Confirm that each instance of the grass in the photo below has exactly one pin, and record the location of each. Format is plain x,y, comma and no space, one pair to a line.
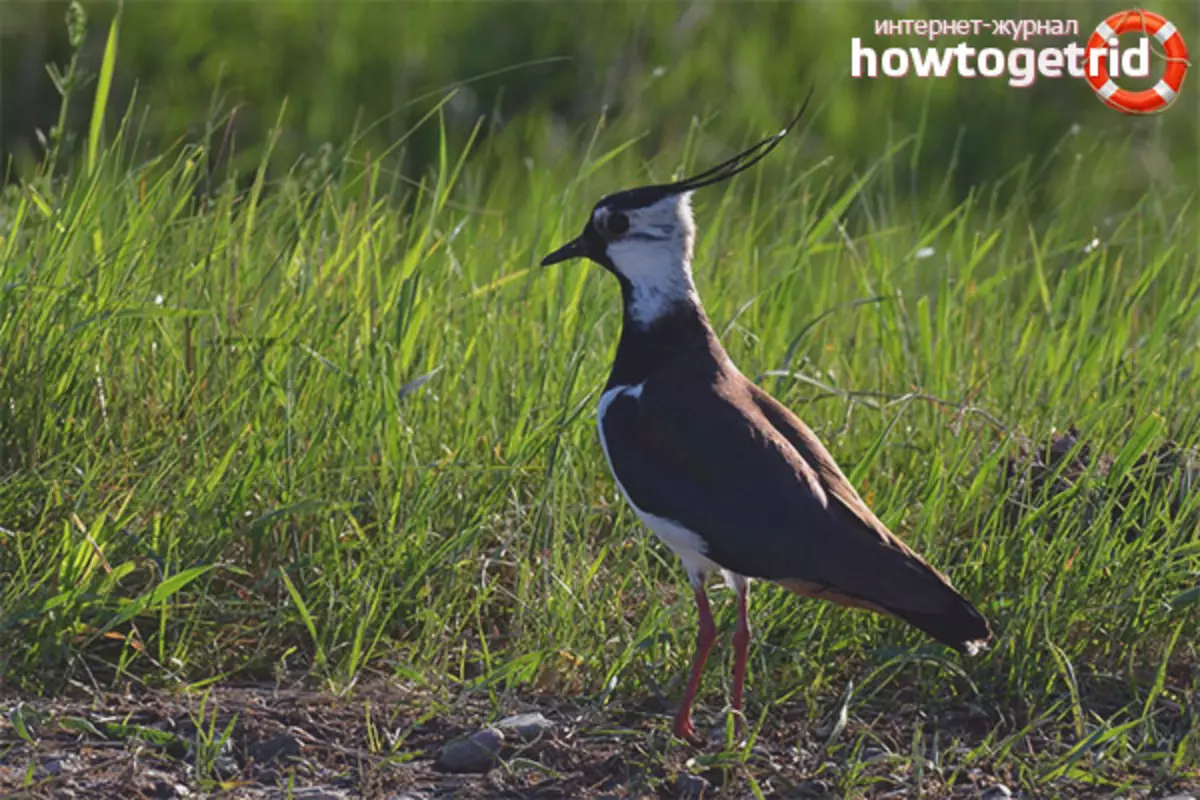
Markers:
335,422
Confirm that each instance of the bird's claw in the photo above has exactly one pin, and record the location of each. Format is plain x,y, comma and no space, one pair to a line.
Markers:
683,730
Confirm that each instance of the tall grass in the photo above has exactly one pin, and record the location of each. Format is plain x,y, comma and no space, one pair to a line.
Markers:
338,420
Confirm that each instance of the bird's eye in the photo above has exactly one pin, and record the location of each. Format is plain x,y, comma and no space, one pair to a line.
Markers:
616,223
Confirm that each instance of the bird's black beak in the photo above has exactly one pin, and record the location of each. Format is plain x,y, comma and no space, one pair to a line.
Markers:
572,249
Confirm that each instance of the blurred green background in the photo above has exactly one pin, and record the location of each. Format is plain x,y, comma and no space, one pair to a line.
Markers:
541,74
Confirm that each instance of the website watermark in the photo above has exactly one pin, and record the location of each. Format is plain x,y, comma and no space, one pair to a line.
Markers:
1018,29
1100,60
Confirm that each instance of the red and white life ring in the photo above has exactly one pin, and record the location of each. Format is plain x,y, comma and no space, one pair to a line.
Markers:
1149,100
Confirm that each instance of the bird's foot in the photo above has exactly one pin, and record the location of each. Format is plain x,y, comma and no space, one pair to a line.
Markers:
683,729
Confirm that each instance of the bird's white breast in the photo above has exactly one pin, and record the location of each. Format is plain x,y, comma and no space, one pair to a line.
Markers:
685,543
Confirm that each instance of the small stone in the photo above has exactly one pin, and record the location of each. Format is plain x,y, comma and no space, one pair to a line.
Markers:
475,753
52,766
1180,797
873,753
282,747
164,789
814,788
760,755
691,787
997,792
226,767
525,728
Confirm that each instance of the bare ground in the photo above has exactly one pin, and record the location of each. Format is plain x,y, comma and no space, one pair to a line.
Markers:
383,741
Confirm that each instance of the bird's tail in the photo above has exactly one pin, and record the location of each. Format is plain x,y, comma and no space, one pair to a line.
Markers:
958,624
919,595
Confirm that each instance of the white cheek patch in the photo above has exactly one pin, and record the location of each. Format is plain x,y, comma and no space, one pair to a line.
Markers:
655,256
659,278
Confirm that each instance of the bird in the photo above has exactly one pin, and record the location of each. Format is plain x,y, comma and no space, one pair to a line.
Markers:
731,480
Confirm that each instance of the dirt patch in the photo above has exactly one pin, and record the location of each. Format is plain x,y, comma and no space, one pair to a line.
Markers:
384,742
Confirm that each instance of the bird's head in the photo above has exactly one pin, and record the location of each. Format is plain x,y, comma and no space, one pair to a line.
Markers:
644,236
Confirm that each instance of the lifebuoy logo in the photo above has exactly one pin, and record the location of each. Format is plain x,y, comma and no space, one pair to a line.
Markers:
1102,62
1149,24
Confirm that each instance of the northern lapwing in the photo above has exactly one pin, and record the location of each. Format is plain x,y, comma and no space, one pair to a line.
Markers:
729,478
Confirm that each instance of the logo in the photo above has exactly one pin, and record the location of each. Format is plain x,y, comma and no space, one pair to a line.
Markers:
1101,63
1104,39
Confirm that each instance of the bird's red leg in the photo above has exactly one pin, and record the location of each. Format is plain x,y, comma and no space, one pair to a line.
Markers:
705,636
741,645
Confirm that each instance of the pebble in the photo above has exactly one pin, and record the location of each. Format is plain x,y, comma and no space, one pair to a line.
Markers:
525,728
165,789
997,792
281,747
475,753
691,787
226,767
308,794
1180,797
814,788
873,753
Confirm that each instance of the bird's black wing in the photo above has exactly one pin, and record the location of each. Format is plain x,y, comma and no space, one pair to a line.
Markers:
743,473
